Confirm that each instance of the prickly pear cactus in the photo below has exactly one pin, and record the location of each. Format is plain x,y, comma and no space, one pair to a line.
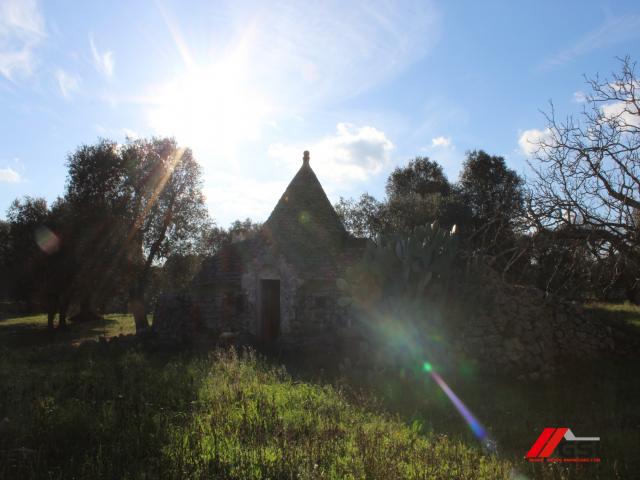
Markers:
403,267
394,292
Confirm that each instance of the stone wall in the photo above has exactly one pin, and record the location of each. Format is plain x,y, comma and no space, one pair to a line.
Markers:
317,310
308,307
268,267
501,329
515,329
176,319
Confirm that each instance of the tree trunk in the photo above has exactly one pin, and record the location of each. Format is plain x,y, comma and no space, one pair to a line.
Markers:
138,309
52,308
86,312
633,294
51,314
62,320
137,304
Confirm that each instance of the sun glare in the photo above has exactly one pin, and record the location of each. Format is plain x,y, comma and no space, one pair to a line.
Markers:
211,108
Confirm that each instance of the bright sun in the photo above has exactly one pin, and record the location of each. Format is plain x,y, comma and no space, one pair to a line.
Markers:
211,109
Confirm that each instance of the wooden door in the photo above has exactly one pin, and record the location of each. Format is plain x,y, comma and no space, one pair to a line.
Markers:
270,309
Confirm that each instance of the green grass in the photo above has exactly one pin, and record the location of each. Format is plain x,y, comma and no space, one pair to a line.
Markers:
591,398
120,409
31,330
617,312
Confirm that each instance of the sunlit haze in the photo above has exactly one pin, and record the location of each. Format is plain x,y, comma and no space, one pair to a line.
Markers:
250,85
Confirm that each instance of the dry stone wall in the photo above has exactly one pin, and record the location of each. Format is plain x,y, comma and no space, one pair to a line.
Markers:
268,267
503,330
516,330
176,319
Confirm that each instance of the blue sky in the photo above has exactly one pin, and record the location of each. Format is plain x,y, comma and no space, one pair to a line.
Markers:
250,85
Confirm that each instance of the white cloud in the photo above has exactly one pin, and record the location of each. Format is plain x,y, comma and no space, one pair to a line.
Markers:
530,140
444,142
268,68
9,175
353,154
105,61
442,150
274,65
67,82
579,97
620,111
21,30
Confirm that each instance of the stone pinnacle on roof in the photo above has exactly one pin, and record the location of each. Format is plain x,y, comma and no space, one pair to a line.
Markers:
304,214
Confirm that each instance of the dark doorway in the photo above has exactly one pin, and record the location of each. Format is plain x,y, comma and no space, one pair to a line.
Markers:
270,309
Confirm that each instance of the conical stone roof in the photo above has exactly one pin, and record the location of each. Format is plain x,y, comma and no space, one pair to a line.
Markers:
303,225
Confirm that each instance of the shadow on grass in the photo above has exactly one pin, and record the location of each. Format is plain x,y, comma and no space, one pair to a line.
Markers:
36,334
15,316
122,410
622,316
126,401
71,409
597,397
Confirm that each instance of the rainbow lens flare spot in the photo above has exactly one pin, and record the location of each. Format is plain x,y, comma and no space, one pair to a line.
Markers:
47,240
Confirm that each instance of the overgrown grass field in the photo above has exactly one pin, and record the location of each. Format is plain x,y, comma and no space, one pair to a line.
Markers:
73,409
117,411
626,313
31,330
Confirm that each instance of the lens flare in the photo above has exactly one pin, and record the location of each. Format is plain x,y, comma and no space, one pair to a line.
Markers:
47,240
304,217
476,427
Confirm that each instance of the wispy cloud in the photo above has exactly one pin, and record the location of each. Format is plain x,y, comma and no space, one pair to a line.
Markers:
21,30
67,82
319,50
263,67
104,62
614,30
579,97
9,175
337,49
